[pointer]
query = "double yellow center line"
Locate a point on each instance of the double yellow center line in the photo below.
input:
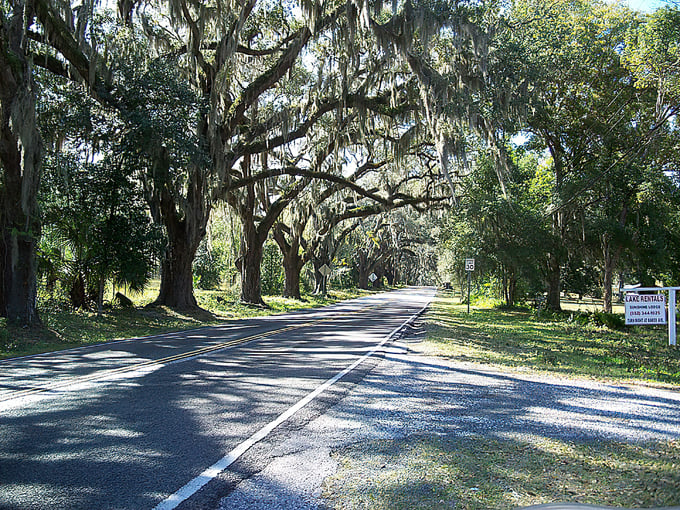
(105, 374)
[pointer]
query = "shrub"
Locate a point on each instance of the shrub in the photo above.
(209, 266)
(608, 320)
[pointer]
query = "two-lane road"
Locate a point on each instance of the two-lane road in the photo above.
(147, 422)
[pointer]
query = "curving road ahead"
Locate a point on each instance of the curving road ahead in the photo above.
(152, 422)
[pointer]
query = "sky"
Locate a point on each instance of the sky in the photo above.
(646, 5)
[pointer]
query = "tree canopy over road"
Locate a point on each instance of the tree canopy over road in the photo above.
(213, 142)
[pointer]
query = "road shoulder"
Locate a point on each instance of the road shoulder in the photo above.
(409, 396)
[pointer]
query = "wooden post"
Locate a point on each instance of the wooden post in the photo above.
(671, 316)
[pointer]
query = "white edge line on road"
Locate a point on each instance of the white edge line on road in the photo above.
(191, 488)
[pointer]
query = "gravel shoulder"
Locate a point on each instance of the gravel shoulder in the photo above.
(409, 395)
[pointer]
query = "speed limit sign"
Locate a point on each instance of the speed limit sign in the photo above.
(469, 264)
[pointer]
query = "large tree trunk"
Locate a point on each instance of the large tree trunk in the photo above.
(250, 261)
(553, 273)
(554, 266)
(292, 263)
(363, 278)
(19, 277)
(607, 277)
(320, 281)
(378, 282)
(607, 281)
(363, 269)
(611, 258)
(509, 287)
(256, 230)
(292, 267)
(3, 265)
(390, 274)
(251, 275)
(184, 236)
(554, 283)
(20, 159)
(177, 278)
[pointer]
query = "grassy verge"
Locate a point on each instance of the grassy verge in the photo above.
(66, 329)
(560, 344)
(478, 473)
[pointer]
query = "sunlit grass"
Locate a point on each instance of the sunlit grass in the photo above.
(479, 473)
(522, 339)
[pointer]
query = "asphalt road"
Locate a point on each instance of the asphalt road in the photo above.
(125, 425)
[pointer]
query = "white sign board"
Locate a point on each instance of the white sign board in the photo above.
(469, 264)
(645, 309)
(325, 270)
(372, 277)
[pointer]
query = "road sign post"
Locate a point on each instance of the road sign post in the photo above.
(671, 316)
(469, 267)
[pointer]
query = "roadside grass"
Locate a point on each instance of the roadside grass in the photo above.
(64, 329)
(558, 343)
(480, 473)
